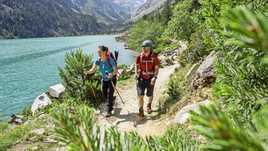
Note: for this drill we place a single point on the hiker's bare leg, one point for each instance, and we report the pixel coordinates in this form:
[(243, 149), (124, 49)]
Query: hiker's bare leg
[(151, 99), (141, 102), (149, 105)]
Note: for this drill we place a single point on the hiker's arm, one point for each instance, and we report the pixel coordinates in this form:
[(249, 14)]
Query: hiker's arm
[(156, 71), (137, 68), (92, 70), (156, 68)]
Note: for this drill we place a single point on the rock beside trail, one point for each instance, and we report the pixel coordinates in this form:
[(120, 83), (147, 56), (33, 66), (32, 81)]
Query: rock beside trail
[(205, 74), (168, 58), (39, 131), (183, 115), (56, 90), (40, 102), (16, 120)]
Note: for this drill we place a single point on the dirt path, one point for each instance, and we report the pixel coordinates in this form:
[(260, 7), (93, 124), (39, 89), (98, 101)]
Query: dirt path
[(125, 115)]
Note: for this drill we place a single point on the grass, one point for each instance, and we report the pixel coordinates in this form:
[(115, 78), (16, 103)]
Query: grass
[(177, 88), (10, 136), (23, 134)]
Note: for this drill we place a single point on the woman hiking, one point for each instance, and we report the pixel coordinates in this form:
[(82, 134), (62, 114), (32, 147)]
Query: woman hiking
[(108, 69)]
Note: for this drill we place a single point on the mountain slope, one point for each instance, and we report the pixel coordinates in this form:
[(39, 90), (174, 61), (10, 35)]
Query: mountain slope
[(131, 5), (32, 18), (151, 6), (106, 11)]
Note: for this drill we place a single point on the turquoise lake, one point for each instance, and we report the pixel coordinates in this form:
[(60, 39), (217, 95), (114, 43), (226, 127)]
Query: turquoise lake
[(29, 66)]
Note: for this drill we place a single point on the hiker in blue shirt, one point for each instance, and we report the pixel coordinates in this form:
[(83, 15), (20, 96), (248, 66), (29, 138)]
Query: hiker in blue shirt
[(108, 69)]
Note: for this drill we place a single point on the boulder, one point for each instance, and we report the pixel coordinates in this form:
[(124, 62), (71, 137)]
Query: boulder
[(16, 120), (205, 73), (169, 53), (167, 60), (39, 131), (56, 90), (183, 115), (40, 102)]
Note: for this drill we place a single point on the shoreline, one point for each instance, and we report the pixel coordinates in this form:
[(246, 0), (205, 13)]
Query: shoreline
[(70, 36)]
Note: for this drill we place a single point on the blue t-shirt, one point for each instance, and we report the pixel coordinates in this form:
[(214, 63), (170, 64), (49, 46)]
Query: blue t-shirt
[(105, 67)]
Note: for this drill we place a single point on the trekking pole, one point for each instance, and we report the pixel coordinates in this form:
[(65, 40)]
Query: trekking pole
[(116, 90)]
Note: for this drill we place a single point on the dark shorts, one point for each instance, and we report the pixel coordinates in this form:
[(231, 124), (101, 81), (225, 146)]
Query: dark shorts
[(143, 85)]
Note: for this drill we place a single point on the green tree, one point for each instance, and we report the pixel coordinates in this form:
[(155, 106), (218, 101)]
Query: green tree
[(182, 23), (144, 30)]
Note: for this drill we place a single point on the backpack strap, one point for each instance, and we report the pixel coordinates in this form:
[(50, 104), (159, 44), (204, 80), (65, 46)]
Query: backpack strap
[(111, 56)]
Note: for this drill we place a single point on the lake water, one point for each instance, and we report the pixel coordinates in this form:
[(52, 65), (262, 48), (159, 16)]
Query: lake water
[(29, 66)]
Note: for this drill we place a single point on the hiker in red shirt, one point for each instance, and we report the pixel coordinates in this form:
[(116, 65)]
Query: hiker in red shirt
[(147, 68)]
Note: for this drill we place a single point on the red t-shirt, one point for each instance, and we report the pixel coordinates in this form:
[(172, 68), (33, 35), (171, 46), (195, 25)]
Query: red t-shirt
[(146, 65)]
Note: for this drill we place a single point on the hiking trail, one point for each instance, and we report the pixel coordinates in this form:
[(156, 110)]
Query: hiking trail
[(125, 116)]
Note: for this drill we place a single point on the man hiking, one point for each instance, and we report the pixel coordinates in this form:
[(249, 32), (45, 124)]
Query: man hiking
[(147, 68), (108, 69)]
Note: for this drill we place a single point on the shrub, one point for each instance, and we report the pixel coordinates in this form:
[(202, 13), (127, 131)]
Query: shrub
[(200, 45), (75, 126), (182, 23), (78, 84), (241, 75), (177, 138), (9, 136), (239, 85), (178, 84), (223, 132)]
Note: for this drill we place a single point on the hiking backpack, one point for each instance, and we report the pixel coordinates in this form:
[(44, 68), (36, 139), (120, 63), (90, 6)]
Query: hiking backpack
[(110, 55)]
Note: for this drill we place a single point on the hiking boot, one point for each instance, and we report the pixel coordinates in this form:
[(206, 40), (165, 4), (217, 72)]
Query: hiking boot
[(149, 108), (141, 112)]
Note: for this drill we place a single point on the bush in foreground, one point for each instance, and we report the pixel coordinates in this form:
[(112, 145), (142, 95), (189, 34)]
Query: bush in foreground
[(75, 126), (79, 85)]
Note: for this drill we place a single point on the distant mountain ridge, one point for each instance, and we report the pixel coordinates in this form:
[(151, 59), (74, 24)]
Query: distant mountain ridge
[(44, 18), (131, 5)]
